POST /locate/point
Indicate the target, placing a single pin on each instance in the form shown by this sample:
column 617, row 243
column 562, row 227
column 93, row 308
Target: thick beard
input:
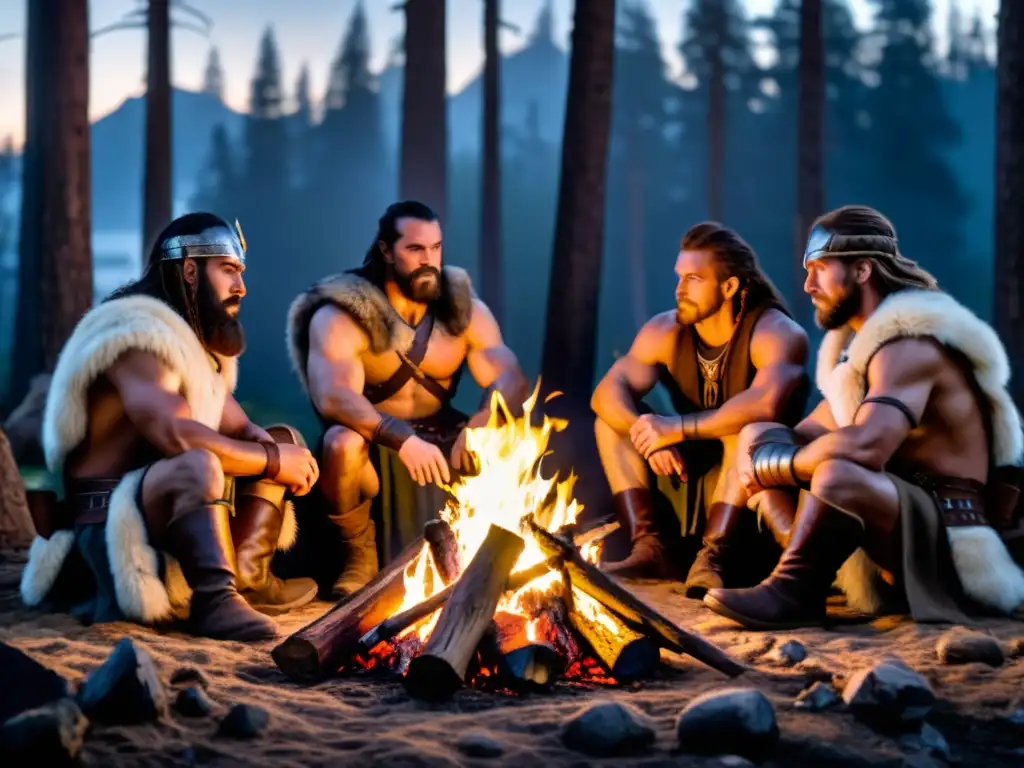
column 422, row 292
column 840, row 313
column 696, row 315
column 222, row 333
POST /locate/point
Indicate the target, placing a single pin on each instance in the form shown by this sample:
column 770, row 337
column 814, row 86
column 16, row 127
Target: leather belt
column 89, row 499
column 961, row 502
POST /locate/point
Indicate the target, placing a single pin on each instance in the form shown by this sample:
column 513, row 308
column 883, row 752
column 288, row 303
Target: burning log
column 393, row 625
column 628, row 655
column 588, row 579
column 441, row 668
column 445, row 549
column 522, row 660
column 320, row 648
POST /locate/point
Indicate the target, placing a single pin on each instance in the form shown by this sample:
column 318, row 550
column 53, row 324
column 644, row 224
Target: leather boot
column 647, row 559
column 255, row 529
column 777, row 511
column 359, row 540
column 201, row 542
column 794, row 594
column 719, row 550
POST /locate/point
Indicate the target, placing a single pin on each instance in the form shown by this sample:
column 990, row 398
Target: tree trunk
column 1009, row 235
column 424, row 163
column 716, row 115
column 810, row 169
column 16, row 529
column 490, row 193
column 571, row 334
column 157, row 179
column 55, row 257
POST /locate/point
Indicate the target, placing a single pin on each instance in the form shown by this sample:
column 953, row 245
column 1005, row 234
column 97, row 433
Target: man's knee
column 837, row 482
column 198, row 474
column 344, row 449
column 286, row 434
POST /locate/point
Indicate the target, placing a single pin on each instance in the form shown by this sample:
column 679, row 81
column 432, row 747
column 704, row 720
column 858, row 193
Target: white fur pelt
column 103, row 335
column 986, row 570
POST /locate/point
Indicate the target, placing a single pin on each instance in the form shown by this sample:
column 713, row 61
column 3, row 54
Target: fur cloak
column 106, row 332
column 369, row 306
column 988, row 573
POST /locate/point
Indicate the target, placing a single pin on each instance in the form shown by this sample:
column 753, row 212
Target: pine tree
column 218, row 187
column 911, row 133
column 213, row 76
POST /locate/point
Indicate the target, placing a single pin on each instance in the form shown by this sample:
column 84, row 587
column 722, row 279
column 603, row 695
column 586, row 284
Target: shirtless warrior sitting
column 729, row 355
column 899, row 468
column 143, row 431
column 380, row 350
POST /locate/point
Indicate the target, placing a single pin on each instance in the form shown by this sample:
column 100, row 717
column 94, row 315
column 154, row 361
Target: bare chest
column 444, row 356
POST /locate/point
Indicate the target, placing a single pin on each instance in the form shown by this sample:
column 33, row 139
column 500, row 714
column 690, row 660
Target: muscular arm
column 492, row 364
column 633, row 376
column 150, row 394
column 335, row 371
column 818, row 422
column 905, row 370
column 778, row 350
column 235, row 423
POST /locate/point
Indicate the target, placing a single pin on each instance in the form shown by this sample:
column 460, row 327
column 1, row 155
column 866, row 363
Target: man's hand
column 668, row 462
column 424, row 461
column 462, row 460
column 652, row 433
column 299, row 470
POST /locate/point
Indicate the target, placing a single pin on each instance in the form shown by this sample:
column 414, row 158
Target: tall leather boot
column 255, row 529
column 647, row 559
column 359, row 541
column 719, row 551
column 794, row 594
column 201, row 542
column 777, row 509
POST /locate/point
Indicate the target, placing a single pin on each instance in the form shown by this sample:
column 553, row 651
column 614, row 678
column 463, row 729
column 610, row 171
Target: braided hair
column 735, row 258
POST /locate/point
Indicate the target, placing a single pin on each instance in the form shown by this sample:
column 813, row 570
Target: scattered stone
column 479, row 744
column 244, row 721
column 1015, row 649
column 790, row 653
column 734, row 761
column 52, row 733
column 1016, row 717
column 187, row 676
column 929, row 740
column 193, row 702
column 25, row 683
column 890, row 696
column 960, row 646
column 608, row 728
column 732, row 721
column 818, row 697
column 125, row 689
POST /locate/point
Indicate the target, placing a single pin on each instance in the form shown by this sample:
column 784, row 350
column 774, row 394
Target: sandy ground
column 355, row 722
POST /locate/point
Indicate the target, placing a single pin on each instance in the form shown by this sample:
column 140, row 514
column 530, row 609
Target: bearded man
column 142, row 428
column 380, row 350
column 728, row 354
column 902, row 468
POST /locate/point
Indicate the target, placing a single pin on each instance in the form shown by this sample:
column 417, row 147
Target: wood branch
column 394, row 625
column 523, row 661
column 320, row 648
column 627, row 654
column 633, row 610
column 599, row 533
column 445, row 549
column 440, row 669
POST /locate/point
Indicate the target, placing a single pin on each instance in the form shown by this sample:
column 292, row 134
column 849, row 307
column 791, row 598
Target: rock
column 244, row 721
column 25, row 683
column 125, row 689
column 24, row 425
column 734, row 761
column 193, row 702
column 737, row 721
column 188, row 676
column 929, row 740
column 1016, row 717
column 1015, row 649
column 960, row 646
column 818, row 697
column 478, row 744
column 608, row 728
column 889, row 695
column 790, row 653
column 49, row 734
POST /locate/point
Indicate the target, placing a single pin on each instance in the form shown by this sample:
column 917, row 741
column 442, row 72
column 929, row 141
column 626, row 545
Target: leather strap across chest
column 409, row 369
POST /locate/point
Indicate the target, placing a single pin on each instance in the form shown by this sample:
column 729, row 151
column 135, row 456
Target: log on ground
column 627, row 654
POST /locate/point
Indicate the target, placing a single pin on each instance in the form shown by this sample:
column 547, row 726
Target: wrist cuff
column 392, row 433
column 773, row 464
column 273, row 468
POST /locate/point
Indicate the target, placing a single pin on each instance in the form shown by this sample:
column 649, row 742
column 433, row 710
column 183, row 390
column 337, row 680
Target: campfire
column 500, row 593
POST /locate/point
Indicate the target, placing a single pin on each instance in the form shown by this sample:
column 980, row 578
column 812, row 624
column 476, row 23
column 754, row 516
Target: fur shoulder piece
column 369, row 306
column 108, row 331
column 918, row 313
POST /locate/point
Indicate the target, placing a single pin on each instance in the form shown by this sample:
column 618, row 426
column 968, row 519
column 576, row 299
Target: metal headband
column 823, row 244
column 213, row 241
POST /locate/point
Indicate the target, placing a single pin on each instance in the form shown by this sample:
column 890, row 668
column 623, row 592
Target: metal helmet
column 823, row 243
column 216, row 240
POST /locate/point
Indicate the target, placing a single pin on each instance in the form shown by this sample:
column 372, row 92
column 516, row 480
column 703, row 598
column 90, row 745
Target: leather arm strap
column 392, row 432
column 893, row 402
column 273, row 468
